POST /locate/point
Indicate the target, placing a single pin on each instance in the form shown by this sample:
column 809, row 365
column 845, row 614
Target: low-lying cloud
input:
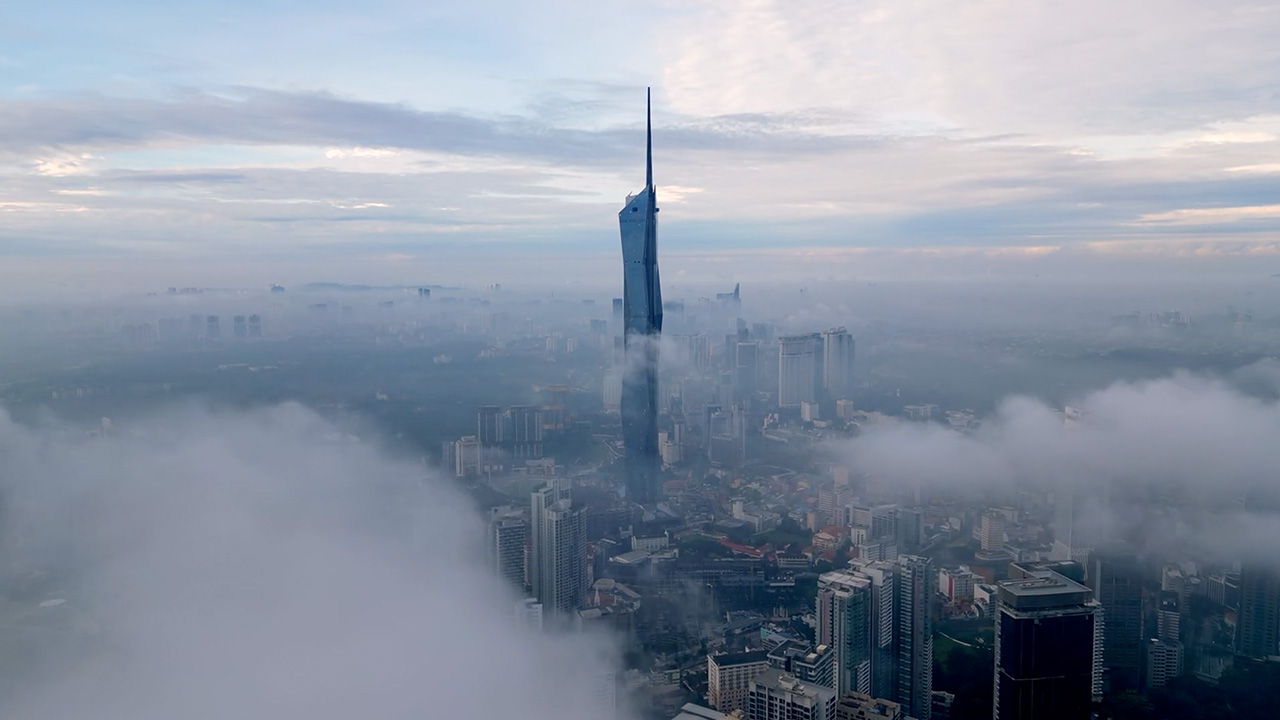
column 258, row 564
column 1187, row 460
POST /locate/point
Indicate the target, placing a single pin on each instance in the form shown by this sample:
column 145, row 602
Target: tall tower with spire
column 642, row 323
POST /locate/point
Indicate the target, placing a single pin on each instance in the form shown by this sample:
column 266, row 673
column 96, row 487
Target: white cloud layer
column 1186, row 460
column 259, row 564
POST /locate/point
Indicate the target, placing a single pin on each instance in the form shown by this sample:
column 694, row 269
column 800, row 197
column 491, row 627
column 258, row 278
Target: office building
column 747, row 370
column 776, row 695
column 509, row 434
column 489, row 425
column 559, row 570
column 909, row 529
column 1168, row 617
column 467, row 456
column 729, row 678
column 1116, row 580
column 1072, row 536
column 814, row 665
column 837, row 363
column 1044, row 649
column 798, row 378
column 991, row 532
column 1258, row 622
column 859, row 706
column 507, row 535
column 1164, row 662
column 844, row 611
column 917, row 584
column 958, row 583
column 529, row 613
column 642, row 321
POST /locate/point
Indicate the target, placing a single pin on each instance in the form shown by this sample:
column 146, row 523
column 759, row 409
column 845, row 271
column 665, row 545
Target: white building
column 729, row 678
column 776, row 695
column 1164, row 661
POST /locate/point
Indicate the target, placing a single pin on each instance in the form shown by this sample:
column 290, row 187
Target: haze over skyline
column 217, row 143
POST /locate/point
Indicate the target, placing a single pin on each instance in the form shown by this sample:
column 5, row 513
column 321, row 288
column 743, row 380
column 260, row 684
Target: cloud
column 993, row 66
column 1186, row 459
column 257, row 564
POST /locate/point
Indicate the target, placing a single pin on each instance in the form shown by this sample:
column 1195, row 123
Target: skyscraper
column 917, row 584
column 1116, row 579
column 559, row 552
column 837, row 363
column 884, row 603
column 642, row 324
column 505, row 543
column 844, row 610
column 798, row 377
column 1044, row 649
column 1258, row 627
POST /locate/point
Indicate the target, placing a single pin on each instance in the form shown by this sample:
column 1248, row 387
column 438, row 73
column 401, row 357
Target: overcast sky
column 209, row 141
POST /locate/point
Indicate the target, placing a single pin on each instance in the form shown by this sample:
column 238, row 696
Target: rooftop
column 1043, row 590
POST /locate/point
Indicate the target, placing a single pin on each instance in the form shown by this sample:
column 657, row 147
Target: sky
column 239, row 143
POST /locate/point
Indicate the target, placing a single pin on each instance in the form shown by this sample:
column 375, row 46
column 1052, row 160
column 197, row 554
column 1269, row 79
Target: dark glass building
column 1045, row 649
column 642, row 325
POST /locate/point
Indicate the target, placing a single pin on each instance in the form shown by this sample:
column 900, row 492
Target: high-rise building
column 917, row 584
column 489, row 425
column 466, row 455
column 559, row 552
column 909, row 529
column 212, row 331
column 991, row 532
column 239, row 327
column 1258, row 624
column 748, row 367
column 255, row 326
column 642, row 321
column 1169, row 617
column 524, row 439
column 1072, row 539
column 1116, row 580
column 884, row 624
column 798, row 377
column 837, row 363
column 1164, row 662
column 529, row 613
column 776, row 695
column 814, row 665
column 844, row 613
column 729, row 678
column 507, row 535
column 1044, row 648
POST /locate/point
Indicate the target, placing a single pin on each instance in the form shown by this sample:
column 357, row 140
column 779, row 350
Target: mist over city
column 346, row 370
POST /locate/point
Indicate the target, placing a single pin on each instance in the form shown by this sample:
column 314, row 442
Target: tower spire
column 648, row 137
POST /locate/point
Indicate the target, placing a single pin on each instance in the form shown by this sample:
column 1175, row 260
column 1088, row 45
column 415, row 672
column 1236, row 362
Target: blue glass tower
column 642, row 325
